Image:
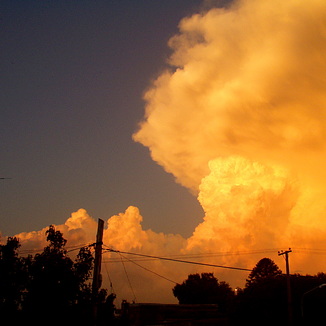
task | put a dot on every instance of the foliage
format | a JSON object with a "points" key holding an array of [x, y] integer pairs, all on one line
{"points": [[264, 269], [203, 289], [264, 298], [309, 299], [13, 276], [53, 284], [49, 286], [84, 264]]}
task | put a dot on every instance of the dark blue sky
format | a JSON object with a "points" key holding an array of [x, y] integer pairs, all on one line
{"points": [[72, 78]]}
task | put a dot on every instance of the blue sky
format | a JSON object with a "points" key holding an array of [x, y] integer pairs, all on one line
{"points": [[72, 78]]}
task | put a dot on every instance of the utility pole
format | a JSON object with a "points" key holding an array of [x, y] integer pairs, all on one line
{"points": [[288, 284], [97, 267]]}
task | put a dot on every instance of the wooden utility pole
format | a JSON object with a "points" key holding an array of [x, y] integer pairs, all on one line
{"points": [[97, 267], [288, 284]]}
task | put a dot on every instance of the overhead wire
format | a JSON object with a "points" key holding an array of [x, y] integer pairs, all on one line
{"points": [[310, 251], [203, 255], [148, 270], [79, 247], [70, 248], [220, 254], [128, 279], [180, 260], [110, 280]]}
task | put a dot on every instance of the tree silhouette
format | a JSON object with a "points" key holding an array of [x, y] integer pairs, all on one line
{"points": [[203, 289], [13, 278], [309, 297], [49, 288], [263, 270], [83, 267], [263, 300], [52, 287], [58, 286]]}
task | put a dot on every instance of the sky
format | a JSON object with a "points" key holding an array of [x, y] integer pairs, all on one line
{"points": [[196, 130], [72, 77]]}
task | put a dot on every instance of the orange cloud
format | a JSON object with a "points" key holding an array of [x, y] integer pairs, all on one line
{"points": [[244, 81], [79, 229], [122, 232], [239, 119]]}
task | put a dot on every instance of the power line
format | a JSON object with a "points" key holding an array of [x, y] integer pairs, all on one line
{"points": [[111, 284], [78, 248], [180, 260], [202, 255], [148, 270], [70, 248], [310, 251], [128, 279]]}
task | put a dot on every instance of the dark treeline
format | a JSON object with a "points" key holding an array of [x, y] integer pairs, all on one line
{"points": [[263, 300], [49, 288]]}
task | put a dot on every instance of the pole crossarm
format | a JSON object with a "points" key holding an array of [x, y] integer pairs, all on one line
{"points": [[288, 283]]}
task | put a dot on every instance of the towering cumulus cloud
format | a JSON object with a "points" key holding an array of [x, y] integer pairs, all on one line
{"points": [[239, 118], [245, 95], [248, 81]]}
